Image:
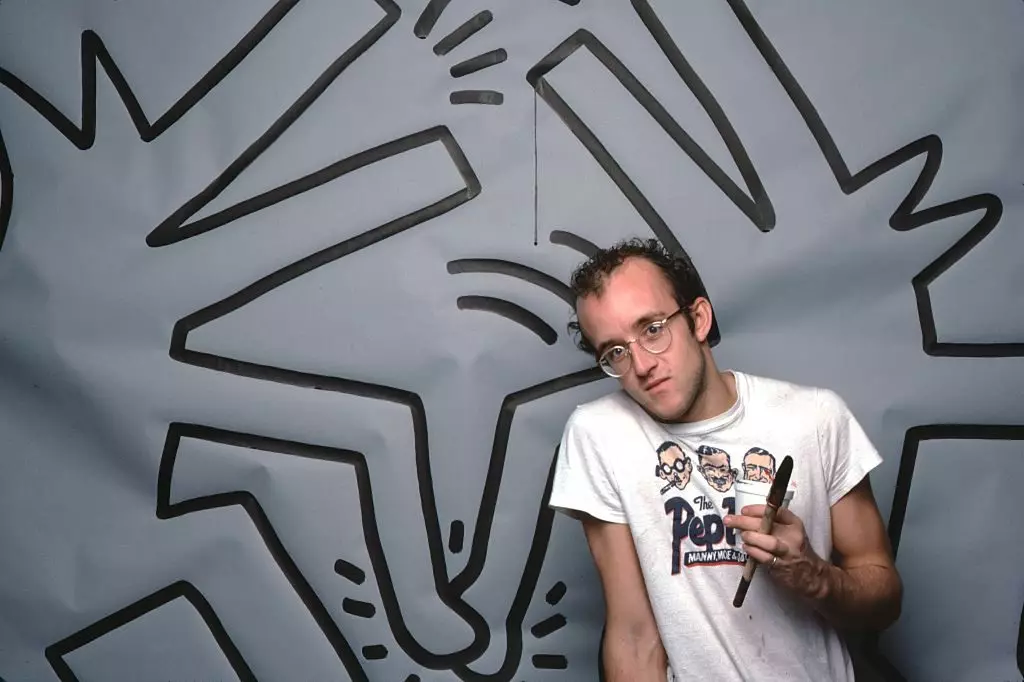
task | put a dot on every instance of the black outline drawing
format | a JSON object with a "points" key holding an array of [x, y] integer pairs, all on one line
{"points": [[510, 311], [94, 53], [901, 497], [906, 216], [181, 589]]}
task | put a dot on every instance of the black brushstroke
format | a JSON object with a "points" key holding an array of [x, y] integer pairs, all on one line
{"points": [[550, 662], [463, 33], [456, 537], [510, 311], [1020, 642], [360, 609], [556, 593], [756, 206], [349, 571], [413, 678], [431, 13], [574, 242], [548, 625], [492, 97], [512, 269], [371, 537], [570, 2], [478, 63], [375, 652], [906, 216], [6, 190], [901, 497], [56, 652]]}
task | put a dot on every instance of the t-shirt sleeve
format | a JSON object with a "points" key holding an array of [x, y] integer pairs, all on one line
{"points": [[582, 481], [848, 454]]}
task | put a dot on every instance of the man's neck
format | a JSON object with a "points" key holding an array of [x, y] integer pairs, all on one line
{"points": [[718, 396]]}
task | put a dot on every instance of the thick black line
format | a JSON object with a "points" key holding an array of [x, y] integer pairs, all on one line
{"points": [[456, 537], [371, 537], [360, 609], [556, 593], [1020, 642], [510, 311], [350, 572], [463, 33], [901, 497], [478, 63], [570, 2], [375, 652], [574, 242], [428, 17], [548, 625], [413, 678], [495, 470], [512, 269], [759, 208], [174, 228], [6, 190], [550, 662], [181, 589], [906, 216], [492, 97]]}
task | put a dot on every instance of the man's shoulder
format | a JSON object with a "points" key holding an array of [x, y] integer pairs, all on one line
{"points": [[774, 392], [604, 411]]}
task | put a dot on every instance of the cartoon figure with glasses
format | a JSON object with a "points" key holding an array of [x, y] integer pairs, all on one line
{"points": [[674, 466]]}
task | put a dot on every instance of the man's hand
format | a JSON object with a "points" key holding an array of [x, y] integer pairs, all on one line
{"points": [[862, 590], [786, 551]]}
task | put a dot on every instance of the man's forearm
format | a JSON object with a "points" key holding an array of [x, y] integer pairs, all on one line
{"points": [[859, 597], [629, 658]]}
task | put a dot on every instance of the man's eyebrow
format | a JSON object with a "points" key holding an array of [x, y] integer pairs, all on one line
{"points": [[639, 322]]}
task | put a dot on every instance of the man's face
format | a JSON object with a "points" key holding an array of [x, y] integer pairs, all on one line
{"points": [[715, 468], [636, 294], [675, 467], [758, 468]]}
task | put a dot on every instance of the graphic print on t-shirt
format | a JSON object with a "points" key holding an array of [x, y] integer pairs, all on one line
{"points": [[699, 536]]}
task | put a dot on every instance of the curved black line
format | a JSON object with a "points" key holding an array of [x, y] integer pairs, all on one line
{"points": [[492, 486], [478, 63], [6, 190], [574, 242], [181, 589], [512, 269], [901, 497], [463, 33], [570, 2], [906, 216], [174, 228], [510, 311], [492, 97], [759, 209], [428, 17], [251, 505]]}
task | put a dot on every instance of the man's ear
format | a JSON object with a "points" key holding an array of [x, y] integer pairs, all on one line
{"points": [[702, 315]]}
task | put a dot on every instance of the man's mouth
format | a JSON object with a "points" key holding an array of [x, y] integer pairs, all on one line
{"points": [[654, 384]]}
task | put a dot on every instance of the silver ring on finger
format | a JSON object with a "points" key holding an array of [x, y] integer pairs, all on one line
{"points": [[775, 560]]}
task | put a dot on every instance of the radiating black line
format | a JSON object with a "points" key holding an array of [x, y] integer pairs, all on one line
{"points": [[512, 269], [476, 97], [573, 241], [463, 33], [358, 608], [6, 190], [431, 13], [556, 593], [456, 537], [510, 311], [906, 216], [349, 571], [375, 652], [550, 662], [478, 63], [548, 625], [56, 653]]}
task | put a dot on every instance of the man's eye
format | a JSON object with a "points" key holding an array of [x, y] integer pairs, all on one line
{"points": [[654, 329]]}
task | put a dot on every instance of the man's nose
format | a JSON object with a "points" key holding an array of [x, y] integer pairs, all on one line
{"points": [[643, 362]]}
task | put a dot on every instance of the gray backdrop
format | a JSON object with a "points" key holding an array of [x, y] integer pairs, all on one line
{"points": [[282, 310]]}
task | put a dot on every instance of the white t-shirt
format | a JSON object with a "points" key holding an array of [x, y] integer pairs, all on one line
{"points": [[671, 484]]}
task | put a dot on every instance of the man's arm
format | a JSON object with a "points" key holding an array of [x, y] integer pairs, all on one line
{"points": [[633, 651], [862, 590]]}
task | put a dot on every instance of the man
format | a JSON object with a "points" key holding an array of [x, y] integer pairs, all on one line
{"points": [[665, 553]]}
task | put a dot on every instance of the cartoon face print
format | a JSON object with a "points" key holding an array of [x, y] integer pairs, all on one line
{"points": [[715, 466], [674, 466], [759, 465]]}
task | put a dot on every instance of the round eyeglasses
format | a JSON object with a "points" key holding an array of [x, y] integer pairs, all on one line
{"points": [[655, 338]]}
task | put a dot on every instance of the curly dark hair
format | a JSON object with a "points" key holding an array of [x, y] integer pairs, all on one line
{"points": [[589, 278]]}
